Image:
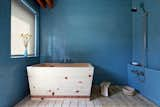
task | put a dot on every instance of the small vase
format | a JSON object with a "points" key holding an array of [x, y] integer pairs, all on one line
{"points": [[25, 52]]}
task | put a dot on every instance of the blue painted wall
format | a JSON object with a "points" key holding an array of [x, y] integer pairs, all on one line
{"points": [[96, 31], [150, 87], [13, 77]]}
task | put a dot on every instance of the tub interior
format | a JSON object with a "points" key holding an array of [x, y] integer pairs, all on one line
{"points": [[62, 65]]}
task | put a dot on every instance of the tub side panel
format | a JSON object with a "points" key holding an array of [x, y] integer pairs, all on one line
{"points": [[66, 81]]}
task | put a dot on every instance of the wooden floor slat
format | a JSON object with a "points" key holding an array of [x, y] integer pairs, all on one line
{"points": [[74, 103], [116, 99], [82, 104]]}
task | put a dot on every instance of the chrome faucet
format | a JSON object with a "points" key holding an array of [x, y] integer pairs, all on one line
{"points": [[66, 60]]}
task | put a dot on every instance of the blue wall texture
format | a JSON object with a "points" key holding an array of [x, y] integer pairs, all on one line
{"points": [[151, 86], [13, 77], [96, 31]]}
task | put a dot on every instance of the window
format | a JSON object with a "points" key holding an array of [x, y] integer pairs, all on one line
{"points": [[23, 21]]}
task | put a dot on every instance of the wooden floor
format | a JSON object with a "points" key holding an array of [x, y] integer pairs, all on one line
{"points": [[116, 99]]}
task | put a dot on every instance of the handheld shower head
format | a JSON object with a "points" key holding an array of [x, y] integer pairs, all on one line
{"points": [[142, 7]]}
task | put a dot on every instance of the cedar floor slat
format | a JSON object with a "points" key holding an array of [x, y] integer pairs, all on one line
{"points": [[116, 99]]}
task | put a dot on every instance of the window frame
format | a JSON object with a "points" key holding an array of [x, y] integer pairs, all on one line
{"points": [[36, 34]]}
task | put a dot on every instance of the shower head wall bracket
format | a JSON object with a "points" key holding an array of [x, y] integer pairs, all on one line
{"points": [[134, 9], [142, 7]]}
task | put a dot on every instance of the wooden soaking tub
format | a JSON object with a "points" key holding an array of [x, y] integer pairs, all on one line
{"points": [[60, 81]]}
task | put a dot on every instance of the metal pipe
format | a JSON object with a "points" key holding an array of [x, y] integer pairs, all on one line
{"points": [[145, 37]]}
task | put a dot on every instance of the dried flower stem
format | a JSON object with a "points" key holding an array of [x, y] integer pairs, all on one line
{"points": [[26, 38]]}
